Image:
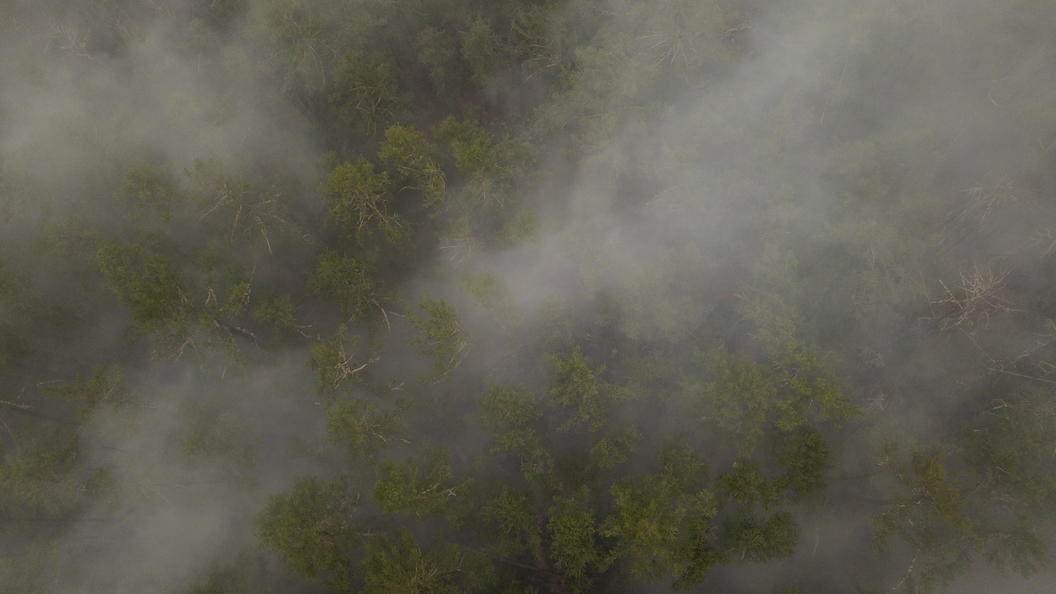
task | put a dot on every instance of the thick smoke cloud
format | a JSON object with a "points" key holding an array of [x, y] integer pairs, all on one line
{"points": [[860, 164]]}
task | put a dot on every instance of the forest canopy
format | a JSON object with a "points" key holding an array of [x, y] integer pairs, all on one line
{"points": [[527, 296]]}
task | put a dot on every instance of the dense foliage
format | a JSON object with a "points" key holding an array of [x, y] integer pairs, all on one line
{"points": [[525, 295]]}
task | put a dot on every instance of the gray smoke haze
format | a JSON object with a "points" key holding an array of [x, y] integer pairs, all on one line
{"points": [[674, 220]]}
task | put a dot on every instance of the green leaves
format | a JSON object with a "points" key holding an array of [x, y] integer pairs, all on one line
{"points": [[762, 539], [398, 565], [1008, 450], [515, 525], [578, 387], [339, 361], [297, 34], [348, 281], [812, 388], [406, 151], [492, 167], [573, 539], [358, 198], [746, 484], [281, 313], [41, 482], [482, 50], [313, 528], [246, 210], [165, 302], [150, 286], [662, 522], [507, 407], [739, 398], [367, 91], [421, 486], [103, 386], [928, 513], [806, 455], [748, 400], [365, 427], [615, 448], [446, 342], [510, 413]]}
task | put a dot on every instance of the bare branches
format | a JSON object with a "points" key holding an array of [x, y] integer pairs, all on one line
{"points": [[977, 297]]}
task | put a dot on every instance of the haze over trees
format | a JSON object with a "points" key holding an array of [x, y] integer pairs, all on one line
{"points": [[527, 296]]}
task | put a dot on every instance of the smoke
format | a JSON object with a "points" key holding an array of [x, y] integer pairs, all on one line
{"points": [[884, 166]]}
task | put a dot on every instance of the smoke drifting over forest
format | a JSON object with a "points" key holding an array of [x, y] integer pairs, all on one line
{"points": [[527, 296]]}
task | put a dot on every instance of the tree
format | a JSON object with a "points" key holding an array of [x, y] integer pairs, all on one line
{"points": [[312, 527], [348, 281], [164, 301], [696, 286], [446, 342], [358, 201], [249, 209]]}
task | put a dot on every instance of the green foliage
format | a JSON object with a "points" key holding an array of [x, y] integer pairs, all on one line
{"points": [[578, 387], [406, 152], [164, 302], [524, 226], [806, 455], [335, 362], [491, 293], [281, 313], [439, 54], [739, 398], [39, 482], [514, 524], [299, 36], [574, 545], [1008, 453], [102, 387], [747, 484], [482, 50], [312, 527], [662, 522], [446, 342], [539, 39], [397, 564], [492, 167], [625, 151], [358, 201], [221, 581], [365, 427], [615, 448], [596, 96], [929, 515], [747, 399], [988, 509], [686, 36], [508, 407], [347, 281], [763, 539], [151, 286], [244, 209], [526, 445], [421, 485], [1007, 450], [366, 90], [812, 388]]}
